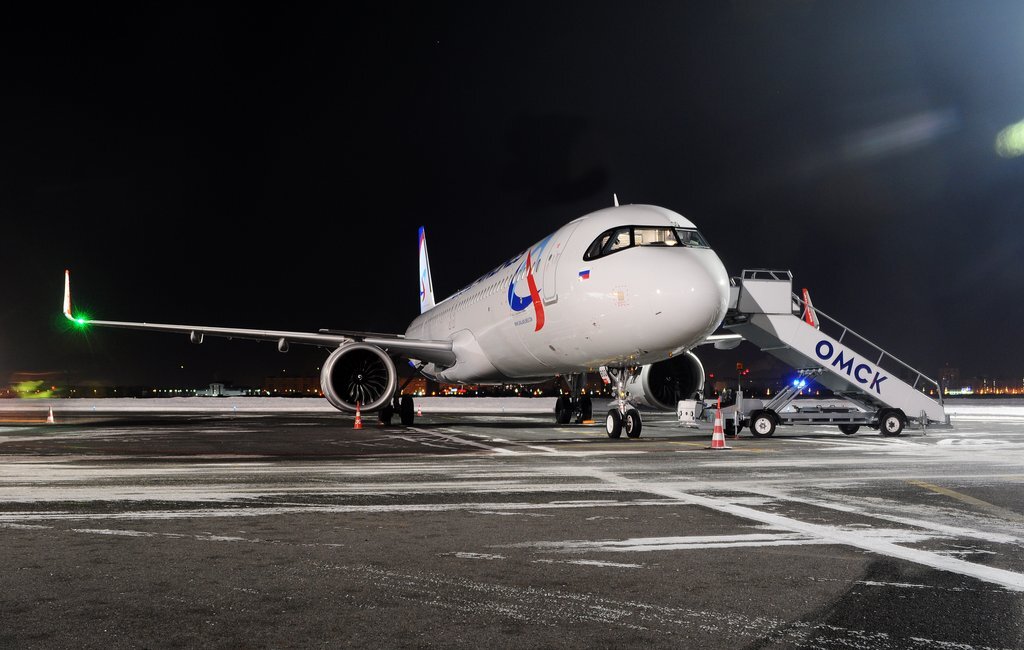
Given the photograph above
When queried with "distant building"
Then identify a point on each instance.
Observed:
(293, 386)
(949, 377)
(218, 390)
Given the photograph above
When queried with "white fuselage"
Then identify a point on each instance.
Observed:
(549, 311)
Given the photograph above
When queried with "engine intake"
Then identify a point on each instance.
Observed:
(358, 372)
(661, 385)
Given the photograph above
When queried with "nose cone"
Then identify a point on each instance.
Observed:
(691, 297)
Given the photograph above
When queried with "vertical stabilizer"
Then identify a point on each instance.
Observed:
(426, 280)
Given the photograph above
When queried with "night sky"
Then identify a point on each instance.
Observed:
(851, 142)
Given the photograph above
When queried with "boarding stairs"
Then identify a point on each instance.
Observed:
(764, 310)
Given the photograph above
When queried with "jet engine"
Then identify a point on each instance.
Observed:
(661, 385)
(358, 372)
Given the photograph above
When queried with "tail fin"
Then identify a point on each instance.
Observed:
(426, 280)
(810, 316)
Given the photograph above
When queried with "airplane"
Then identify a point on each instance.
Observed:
(628, 291)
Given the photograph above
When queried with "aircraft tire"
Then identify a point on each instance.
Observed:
(407, 411)
(385, 415)
(613, 423)
(563, 410)
(632, 423)
(586, 409)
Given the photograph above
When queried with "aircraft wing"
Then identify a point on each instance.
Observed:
(439, 352)
(723, 341)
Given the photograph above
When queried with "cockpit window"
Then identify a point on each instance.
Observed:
(644, 236)
(691, 238)
(609, 242)
(625, 237)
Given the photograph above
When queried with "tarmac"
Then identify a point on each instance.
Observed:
(264, 523)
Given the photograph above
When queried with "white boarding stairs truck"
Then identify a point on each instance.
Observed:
(887, 393)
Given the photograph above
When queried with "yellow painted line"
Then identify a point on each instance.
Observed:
(992, 508)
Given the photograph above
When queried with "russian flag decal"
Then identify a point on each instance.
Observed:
(584, 275)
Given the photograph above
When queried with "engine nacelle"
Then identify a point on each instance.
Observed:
(661, 385)
(358, 372)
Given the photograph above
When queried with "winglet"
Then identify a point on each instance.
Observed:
(67, 295)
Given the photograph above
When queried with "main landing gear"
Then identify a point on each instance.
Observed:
(403, 406)
(623, 416)
(575, 405)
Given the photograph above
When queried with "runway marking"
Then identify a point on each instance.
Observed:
(11, 519)
(464, 441)
(209, 537)
(465, 555)
(647, 544)
(953, 531)
(1008, 579)
(599, 563)
(897, 585)
(991, 508)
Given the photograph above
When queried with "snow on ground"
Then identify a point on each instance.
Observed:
(974, 409)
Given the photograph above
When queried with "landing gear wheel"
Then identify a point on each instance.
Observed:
(891, 422)
(406, 410)
(586, 409)
(385, 415)
(849, 429)
(613, 424)
(762, 424)
(632, 423)
(563, 410)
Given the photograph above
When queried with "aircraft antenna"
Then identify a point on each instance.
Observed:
(615, 199)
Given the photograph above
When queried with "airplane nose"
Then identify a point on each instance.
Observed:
(692, 298)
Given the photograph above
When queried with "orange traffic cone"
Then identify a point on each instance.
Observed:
(718, 437)
(49, 417)
(419, 411)
(359, 418)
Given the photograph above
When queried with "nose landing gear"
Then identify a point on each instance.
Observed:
(623, 416)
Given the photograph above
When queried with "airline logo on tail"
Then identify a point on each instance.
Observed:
(519, 303)
(810, 316)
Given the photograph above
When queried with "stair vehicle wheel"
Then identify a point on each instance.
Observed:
(849, 429)
(632, 423)
(586, 409)
(613, 423)
(563, 410)
(891, 422)
(385, 415)
(762, 424)
(406, 410)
